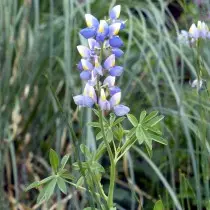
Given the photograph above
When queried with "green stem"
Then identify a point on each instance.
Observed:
(112, 161)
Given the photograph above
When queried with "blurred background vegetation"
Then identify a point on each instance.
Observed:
(38, 40)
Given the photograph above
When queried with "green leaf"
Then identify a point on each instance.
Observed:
(131, 133)
(32, 185)
(139, 135)
(158, 139)
(50, 187)
(67, 175)
(118, 133)
(96, 112)
(64, 160)
(142, 116)
(149, 151)
(94, 124)
(159, 205)
(155, 120)
(62, 185)
(54, 160)
(112, 118)
(76, 165)
(44, 181)
(41, 197)
(96, 167)
(154, 130)
(85, 150)
(119, 120)
(80, 182)
(99, 135)
(109, 135)
(47, 191)
(150, 116)
(132, 119)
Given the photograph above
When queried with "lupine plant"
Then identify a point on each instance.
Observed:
(99, 71)
(194, 38)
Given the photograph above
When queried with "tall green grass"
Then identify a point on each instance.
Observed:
(38, 49)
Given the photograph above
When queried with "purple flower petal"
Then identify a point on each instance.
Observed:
(85, 75)
(104, 105)
(79, 66)
(85, 52)
(116, 42)
(114, 29)
(88, 32)
(116, 71)
(114, 90)
(109, 81)
(115, 99)
(93, 44)
(121, 22)
(90, 91)
(91, 21)
(118, 52)
(121, 110)
(87, 65)
(84, 101)
(115, 12)
(109, 62)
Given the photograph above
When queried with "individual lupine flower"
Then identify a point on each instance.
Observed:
(88, 99)
(199, 31)
(103, 102)
(110, 82)
(114, 29)
(92, 24)
(118, 109)
(109, 64)
(87, 67)
(102, 31)
(203, 29)
(115, 42)
(194, 32)
(117, 52)
(114, 14)
(93, 44)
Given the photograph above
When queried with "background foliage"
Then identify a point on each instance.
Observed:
(38, 42)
